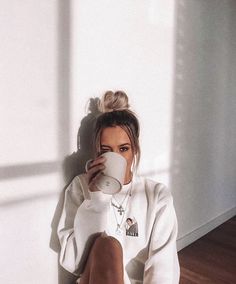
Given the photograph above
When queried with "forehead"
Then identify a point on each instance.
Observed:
(114, 135)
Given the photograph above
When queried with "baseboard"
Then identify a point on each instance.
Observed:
(204, 229)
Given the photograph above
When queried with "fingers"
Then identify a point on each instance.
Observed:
(94, 169)
(99, 160)
(94, 172)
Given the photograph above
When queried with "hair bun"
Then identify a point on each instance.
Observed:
(112, 101)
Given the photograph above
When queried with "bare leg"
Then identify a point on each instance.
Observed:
(105, 262)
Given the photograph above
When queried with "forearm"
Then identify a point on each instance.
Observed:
(91, 219)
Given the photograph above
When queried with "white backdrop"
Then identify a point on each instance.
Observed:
(127, 45)
(56, 55)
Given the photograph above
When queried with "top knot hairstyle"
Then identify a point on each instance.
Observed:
(113, 101)
(114, 108)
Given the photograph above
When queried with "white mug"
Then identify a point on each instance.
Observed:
(112, 178)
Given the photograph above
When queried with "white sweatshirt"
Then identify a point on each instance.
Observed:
(147, 229)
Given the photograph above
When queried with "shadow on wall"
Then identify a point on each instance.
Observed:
(74, 165)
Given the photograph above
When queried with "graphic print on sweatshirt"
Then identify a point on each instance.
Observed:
(131, 226)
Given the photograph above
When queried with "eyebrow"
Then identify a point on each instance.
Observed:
(121, 145)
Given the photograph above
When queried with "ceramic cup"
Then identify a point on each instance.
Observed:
(111, 179)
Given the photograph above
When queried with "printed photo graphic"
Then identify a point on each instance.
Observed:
(131, 227)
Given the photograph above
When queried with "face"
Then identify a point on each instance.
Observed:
(115, 139)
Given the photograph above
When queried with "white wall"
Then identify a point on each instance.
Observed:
(204, 135)
(29, 170)
(54, 56)
(127, 45)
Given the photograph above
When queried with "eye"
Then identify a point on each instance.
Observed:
(104, 150)
(124, 149)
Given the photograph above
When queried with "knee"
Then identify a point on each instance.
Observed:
(107, 247)
(106, 261)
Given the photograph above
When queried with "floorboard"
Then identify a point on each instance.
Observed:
(212, 258)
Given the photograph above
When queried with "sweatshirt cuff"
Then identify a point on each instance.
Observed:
(98, 202)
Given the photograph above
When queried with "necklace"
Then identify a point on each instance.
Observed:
(121, 210)
(120, 207)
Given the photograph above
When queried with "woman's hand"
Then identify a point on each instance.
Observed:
(94, 169)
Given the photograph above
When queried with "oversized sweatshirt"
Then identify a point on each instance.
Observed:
(147, 229)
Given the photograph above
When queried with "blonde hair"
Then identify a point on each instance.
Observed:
(114, 108)
(113, 101)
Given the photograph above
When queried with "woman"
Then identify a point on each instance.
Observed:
(128, 237)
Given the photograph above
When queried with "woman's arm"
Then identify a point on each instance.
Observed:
(84, 216)
(73, 199)
(78, 209)
(162, 265)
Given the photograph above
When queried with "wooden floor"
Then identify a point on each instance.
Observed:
(211, 259)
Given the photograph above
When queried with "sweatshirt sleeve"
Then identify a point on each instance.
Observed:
(162, 265)
(84, 214)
